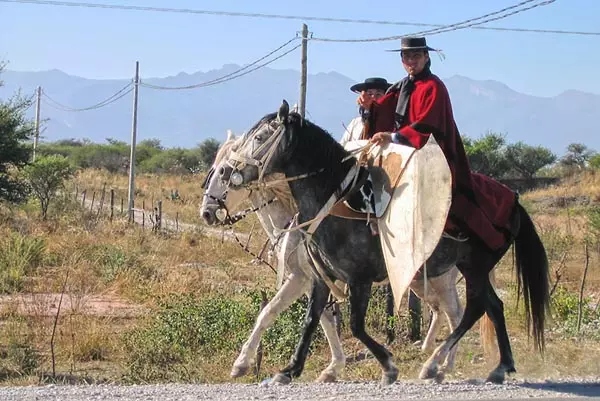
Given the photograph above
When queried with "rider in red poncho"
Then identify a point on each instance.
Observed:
(419, 106)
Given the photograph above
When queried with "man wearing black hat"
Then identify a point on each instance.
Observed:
(375, 88)
(419, 106)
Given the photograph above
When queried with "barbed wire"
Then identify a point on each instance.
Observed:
(452, 27)
(233, 75)
(286, 17)
(111, 99)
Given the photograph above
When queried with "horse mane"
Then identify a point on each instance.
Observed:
(225, 148)
(313, 148)
(282, 192)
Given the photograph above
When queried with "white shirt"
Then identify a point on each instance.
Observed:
(353, 131)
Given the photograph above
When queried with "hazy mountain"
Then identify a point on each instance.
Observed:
(186, 117)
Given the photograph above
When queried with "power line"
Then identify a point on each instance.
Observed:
(286, 17)
(233, 75)
(490, 17)
(111, 99)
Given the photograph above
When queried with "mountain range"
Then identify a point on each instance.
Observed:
(184, 118)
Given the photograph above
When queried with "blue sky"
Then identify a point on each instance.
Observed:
(99, 43)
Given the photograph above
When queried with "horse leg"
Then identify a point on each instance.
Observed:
(316, 304)
(450, 304)
(418, 287)
(487, 332)
(338, 359)
(434, 328)
(359, 302)
(495, 311)
(289, 292)
(476, 299)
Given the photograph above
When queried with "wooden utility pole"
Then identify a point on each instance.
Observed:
(130, 195)
(303, 76)
(36, 134)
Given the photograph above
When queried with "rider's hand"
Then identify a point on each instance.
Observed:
(365, 101)
(382, 138)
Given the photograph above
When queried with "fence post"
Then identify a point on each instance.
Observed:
(93, 198)
(143, 213)
(112, 204)
(83, 198)
(159, 214)
(580, 303)
(102, 199)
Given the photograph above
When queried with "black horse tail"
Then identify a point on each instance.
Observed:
(532, 277)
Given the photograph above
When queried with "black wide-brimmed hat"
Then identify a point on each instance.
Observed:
(413, 43)
(371, 83)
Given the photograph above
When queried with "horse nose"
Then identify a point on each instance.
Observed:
(225, 172)
(208, 216)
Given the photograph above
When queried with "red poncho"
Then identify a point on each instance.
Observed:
(480, 205)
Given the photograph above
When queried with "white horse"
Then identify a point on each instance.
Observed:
(439, 292)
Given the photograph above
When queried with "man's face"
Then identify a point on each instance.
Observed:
(375, 93)
(414, 61)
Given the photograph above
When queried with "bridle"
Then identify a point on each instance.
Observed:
(261, 158)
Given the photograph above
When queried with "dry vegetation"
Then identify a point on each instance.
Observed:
(140, 306)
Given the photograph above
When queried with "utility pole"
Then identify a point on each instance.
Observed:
(36, 135)
(130, 195)
(303, 76)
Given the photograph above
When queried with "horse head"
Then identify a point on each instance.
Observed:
(216, 202)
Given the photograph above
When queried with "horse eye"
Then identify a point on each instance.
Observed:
(258, 138)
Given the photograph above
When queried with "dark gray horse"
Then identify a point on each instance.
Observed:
(274, 207)
(317, 168)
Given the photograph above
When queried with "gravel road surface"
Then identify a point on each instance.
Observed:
(342, 391)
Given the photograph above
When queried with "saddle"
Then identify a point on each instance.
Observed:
(384, 174)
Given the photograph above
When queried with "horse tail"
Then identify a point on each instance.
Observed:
(487, 331)
(532, 277)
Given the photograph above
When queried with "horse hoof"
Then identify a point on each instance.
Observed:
(326, 377)
(439, 378)
(239, 371)
(428, 372)
(389, 377)
(497, 375)
(281, 378)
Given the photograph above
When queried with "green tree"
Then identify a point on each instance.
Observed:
(46, 176)
(207, 151)
(487, 154)
(595, 161)
(578, 155)
(15, 145)
(526, 160)
(147, 149)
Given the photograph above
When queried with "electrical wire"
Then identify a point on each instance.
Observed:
(285, 17)
(233, 75)
(449, 28)
(113, 98)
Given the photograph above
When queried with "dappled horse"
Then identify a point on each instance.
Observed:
(275, 208)
(317, 168)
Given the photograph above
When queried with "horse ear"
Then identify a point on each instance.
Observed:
(284, 111)
(230, 135)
